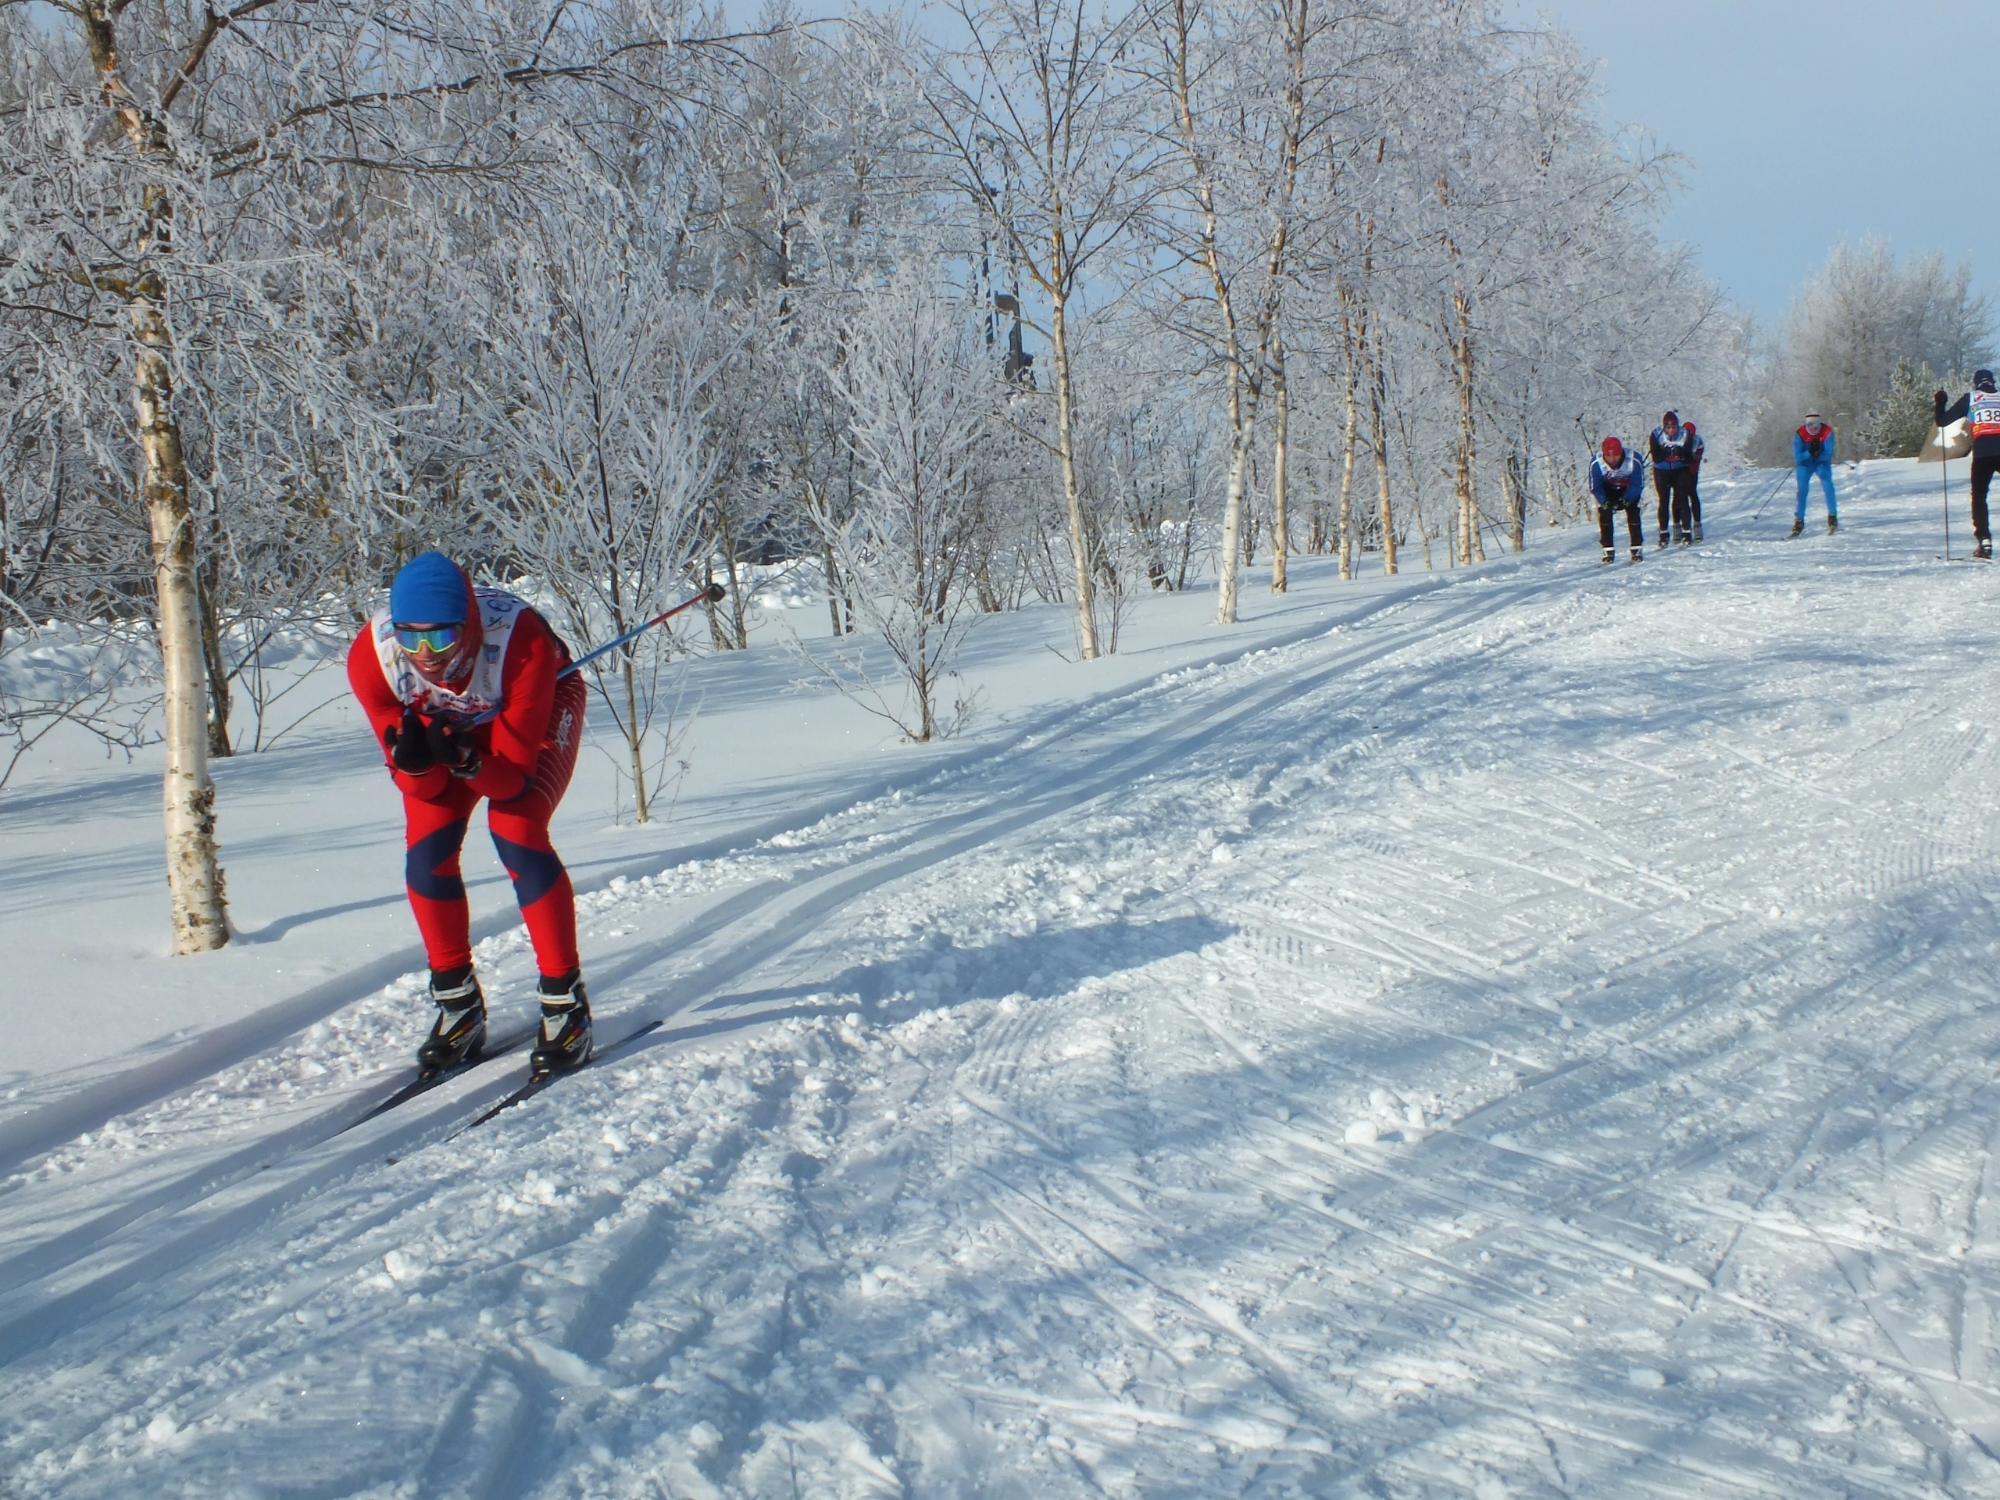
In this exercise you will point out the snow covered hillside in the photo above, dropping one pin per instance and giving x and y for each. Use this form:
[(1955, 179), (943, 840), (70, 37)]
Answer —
[(1525, 1031)]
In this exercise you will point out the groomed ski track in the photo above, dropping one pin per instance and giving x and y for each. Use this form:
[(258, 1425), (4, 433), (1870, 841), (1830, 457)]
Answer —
[(1537, 1037)]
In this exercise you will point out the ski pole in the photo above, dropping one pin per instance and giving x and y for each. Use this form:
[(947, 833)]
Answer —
[(1944, 484), (713, 594)]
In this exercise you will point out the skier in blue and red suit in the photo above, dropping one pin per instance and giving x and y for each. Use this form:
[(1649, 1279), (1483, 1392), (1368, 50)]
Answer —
[(1617, 482), (1812, 453), (1981, 408), (1671, 449), (461, 691)]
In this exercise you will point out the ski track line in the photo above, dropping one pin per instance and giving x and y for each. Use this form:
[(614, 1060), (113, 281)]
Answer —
[(1655, 1444), (1975, 1233), (1610, 1040), (1363, 1016), (585, 1330), (1503, 1221), (1083, 1287), (1273, 1365), (790, 909), (1541, 1227), (1539, 1224), (1744, 1055), (208, 1218), (1943, 1393), (1656, 1447), (1644, 1178)]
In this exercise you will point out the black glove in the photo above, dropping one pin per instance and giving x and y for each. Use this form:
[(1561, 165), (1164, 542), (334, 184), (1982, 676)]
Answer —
[(408, 745), (452, 750), (1937, 398), (1815, 447)]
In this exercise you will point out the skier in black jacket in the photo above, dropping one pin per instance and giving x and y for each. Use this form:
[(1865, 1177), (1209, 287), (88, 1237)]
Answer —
[(1981, 406), (1671, 449)]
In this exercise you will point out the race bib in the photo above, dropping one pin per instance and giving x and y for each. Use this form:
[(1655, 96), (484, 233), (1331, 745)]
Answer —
[(498, 611)]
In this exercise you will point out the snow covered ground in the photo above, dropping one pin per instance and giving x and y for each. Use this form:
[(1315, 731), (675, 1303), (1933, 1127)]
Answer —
[(1515, 1032)]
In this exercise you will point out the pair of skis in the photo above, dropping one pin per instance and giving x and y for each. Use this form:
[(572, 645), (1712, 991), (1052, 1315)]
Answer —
[(506, 1042)]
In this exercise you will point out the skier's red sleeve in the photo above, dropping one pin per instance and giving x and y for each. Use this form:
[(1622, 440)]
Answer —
[(527, 701), (371, 690)]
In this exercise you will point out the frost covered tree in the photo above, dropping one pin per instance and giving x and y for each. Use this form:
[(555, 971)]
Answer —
[(1849, 327), (1242, 92), (924, 398), (593, 465), (1038, 122), (168, 204), (1905, 418)]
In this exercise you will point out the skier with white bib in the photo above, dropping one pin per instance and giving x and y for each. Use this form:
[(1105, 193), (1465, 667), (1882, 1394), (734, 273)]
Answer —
[(1980, 406), (1617, 482), (1672, 449), (463, 693)]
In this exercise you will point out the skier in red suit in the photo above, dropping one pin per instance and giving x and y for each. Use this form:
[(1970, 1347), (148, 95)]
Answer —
[(461, 689)]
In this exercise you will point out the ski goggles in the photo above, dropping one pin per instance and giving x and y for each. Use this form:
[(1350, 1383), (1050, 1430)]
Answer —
[(433, 640)]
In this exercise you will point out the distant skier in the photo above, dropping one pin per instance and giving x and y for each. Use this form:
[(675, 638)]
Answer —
[(1981, 407), (1672, 451), (1617, 482), (1697, 449), (461, 691), (1812, 453)]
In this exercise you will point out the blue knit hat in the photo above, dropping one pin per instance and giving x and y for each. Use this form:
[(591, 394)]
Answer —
[(430, 589)]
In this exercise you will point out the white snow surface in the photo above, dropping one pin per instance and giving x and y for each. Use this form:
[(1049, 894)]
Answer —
[(1525, 1030)]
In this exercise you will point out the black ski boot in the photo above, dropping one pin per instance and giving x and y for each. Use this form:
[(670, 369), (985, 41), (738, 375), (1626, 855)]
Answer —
[(1983, 547), (563, 1043), (1798, 526), (1610, 554), (1637, 553), (1697, 531), (460, 1031), (1832, 525)]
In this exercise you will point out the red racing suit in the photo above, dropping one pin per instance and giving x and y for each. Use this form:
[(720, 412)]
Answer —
[(524, 726)]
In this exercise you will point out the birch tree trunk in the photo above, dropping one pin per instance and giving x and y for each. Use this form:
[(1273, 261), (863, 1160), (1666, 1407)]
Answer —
[(194, 875), (1351, 393), (1086, 603), (1281, 539), (1240, 424), (1468, 507), (1378, 439)]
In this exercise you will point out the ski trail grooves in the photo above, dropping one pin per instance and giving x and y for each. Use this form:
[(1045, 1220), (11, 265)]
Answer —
[(731, 938)]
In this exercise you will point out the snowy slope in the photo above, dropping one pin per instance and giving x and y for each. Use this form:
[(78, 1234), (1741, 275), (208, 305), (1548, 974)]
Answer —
[(1529, 1032)]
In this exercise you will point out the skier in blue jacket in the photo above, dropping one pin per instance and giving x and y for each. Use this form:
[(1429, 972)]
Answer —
[(1812, 453), (1617, 481)]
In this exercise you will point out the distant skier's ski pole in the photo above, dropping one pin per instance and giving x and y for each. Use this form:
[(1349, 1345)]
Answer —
[(1944, 482), (713, 594)]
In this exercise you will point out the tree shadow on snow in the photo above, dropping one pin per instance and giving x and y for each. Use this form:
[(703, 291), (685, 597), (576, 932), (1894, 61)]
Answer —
[(940, 974)]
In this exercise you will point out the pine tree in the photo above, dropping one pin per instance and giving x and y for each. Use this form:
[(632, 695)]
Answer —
[(1903, 419)]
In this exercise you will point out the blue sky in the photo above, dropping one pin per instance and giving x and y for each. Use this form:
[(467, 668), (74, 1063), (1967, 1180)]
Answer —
[(1806, 124)]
